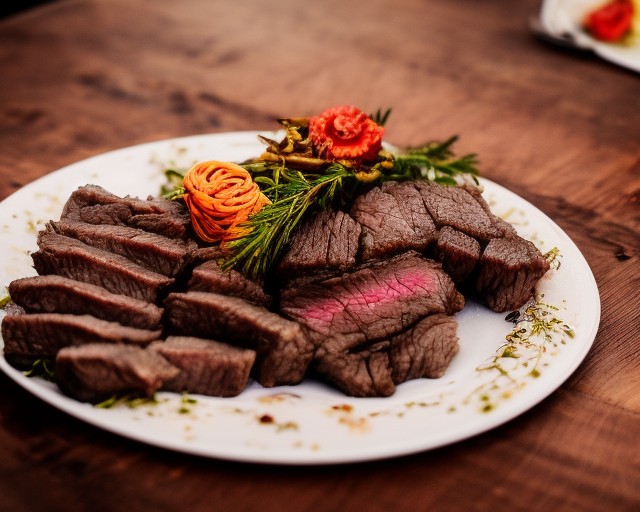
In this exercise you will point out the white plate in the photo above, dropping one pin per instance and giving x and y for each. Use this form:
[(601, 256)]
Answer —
[(313, 423), (562, 17)]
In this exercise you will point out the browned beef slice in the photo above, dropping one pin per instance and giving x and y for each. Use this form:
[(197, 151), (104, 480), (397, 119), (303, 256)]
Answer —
[(95, 205), (391, 223), (284, 352), (461, 209), (201, 254), (501, 225), (164, 255), (374, 302), (56, 294), (458, 253), (207, 367), (40, 335), (425, 350), (327, 241), (509, 270), (98, 371), (71, 258), (413, 208), (209, 277), (366, 373)]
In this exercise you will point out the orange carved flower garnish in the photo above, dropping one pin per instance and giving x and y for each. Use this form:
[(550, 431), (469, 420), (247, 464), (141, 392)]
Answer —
[(345, 133), (220, 196)]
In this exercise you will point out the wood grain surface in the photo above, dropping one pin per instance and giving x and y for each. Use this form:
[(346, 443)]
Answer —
[(559, 128)]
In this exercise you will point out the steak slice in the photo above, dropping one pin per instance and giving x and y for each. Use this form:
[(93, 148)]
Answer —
[(207, 367), (35, 336), (425, 350), (201, 254), (366, 373), (56, 294), (95, 205), (458, 253), (326, 242), (413, 208), (508, 272), (283, 350), (71, 258), (374, 302), (98, 371), (164, 255), (462, 209), (209, 277), (391, 222)]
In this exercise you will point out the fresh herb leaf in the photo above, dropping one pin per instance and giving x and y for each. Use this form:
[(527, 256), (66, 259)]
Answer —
[(41, 368), (173, 188), (4, 301), (381, 117), (131, 401)]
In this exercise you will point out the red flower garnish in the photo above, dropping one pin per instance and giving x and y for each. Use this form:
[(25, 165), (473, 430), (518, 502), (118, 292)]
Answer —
[(611, 21), (345, 133)]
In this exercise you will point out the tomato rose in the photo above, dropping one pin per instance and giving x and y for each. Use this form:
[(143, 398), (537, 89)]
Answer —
[(220, 196), (346, 133)]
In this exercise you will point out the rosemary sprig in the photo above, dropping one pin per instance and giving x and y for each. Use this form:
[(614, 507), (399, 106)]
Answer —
[(294, 195), (435, 161)]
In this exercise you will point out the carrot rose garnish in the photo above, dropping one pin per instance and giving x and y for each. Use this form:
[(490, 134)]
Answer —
[(345, 133), (220, 196)]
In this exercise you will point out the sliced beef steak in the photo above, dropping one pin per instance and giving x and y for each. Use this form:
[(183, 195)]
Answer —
[(454, 224), (98, 371), (458, 253), (374, 302), (201, 254), (413, 209), (207, 367), (40, 335), (462, 209), (284, 352), (392, 222), (509, 270), (71, 258), (209, 277), (95, 205), (164, 255), (425, 350), (56, 294), (366, 373), (326, 242)]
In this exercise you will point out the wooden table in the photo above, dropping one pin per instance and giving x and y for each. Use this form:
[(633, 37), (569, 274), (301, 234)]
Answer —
[(561, 129)]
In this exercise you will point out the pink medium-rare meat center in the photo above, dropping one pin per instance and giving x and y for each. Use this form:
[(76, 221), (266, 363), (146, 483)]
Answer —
[(371, 295)]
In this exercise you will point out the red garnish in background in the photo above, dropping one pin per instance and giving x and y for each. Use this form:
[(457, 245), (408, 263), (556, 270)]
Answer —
[(611, 22), (345, 133)]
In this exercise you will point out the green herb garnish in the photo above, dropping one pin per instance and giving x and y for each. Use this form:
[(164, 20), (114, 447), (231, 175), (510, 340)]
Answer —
[(4, 301), (299, 179), (41, 368), (131, 401)]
